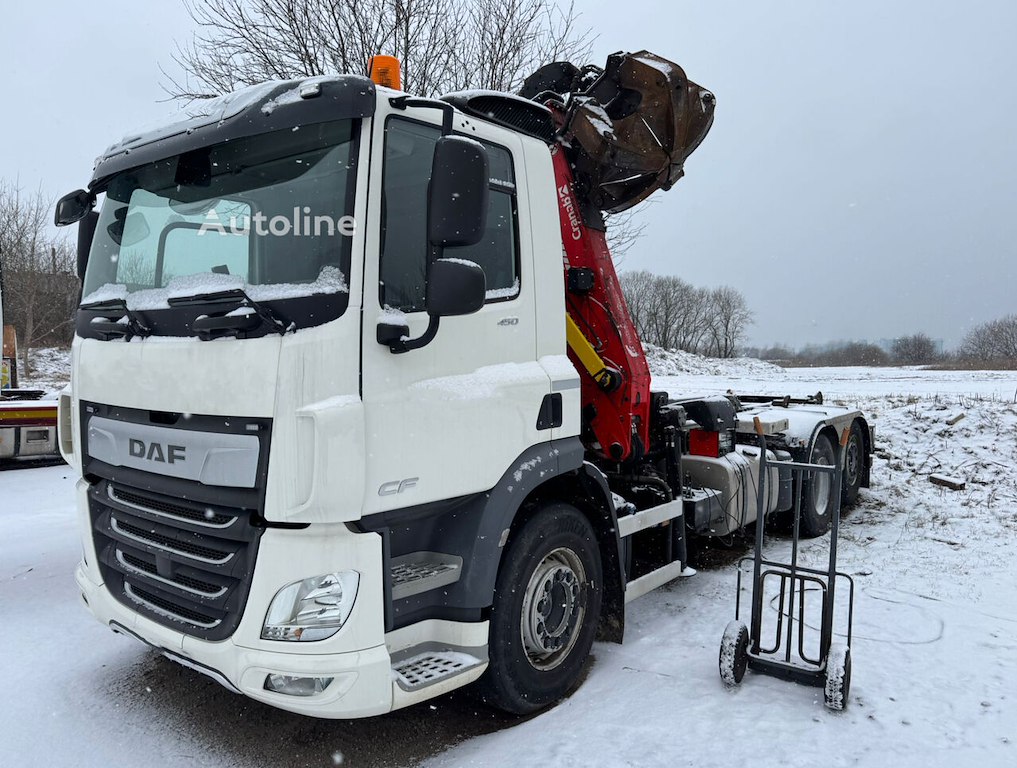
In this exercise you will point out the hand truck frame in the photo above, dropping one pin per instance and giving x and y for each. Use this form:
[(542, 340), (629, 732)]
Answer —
[(785, 656)]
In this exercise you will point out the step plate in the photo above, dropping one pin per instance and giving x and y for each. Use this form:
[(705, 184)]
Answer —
[(423, 571), (429, 668)]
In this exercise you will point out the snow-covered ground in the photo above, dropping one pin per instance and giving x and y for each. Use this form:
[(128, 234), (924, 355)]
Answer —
[(935, 632), (934, 648), (51, 369)]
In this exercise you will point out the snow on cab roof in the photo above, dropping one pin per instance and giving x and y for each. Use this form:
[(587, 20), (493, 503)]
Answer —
[(356, 91)]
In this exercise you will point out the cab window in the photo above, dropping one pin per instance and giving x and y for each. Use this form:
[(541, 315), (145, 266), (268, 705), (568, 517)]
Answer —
[(409, 148)]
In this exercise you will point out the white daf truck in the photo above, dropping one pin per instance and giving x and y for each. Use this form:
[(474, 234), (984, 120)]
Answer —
[(335, 403)]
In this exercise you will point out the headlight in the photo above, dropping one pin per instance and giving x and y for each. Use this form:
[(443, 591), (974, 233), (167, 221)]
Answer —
[(312, 609)]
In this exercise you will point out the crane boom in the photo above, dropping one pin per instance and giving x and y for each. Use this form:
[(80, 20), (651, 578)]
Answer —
[(623, 133)]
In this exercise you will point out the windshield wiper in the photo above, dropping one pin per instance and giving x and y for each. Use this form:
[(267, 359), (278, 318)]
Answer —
[(128, 325), (248, 316)]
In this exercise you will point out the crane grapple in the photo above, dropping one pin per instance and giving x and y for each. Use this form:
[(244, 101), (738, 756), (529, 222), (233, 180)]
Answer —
[(628, 127)]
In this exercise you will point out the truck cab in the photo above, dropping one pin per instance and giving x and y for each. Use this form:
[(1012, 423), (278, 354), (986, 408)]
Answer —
[(284, 445)]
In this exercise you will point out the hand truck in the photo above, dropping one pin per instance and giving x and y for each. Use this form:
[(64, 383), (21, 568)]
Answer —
[(784, 586)]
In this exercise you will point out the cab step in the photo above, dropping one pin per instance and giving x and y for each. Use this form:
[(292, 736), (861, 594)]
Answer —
[(429, 668), (423, 571)]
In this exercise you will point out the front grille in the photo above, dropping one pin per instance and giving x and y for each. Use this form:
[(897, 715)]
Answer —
[(197, 586), (208, 516), (169, 608), (154, 538), (171, 559)]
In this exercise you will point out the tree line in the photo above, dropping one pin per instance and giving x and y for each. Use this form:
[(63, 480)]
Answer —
[(990, 345), (40, 285), (674, 314)]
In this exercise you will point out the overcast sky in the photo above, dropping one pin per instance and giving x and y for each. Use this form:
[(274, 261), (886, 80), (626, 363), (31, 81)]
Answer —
[(860, 180)]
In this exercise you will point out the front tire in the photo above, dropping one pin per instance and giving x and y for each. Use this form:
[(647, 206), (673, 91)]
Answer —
[(546, 608)]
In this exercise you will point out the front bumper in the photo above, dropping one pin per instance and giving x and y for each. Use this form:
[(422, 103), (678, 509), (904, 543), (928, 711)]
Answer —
[(362, 684), (356, 656)]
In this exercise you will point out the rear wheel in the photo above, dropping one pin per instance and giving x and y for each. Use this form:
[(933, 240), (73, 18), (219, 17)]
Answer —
[(854, 458), (545, 612), (817, 492)]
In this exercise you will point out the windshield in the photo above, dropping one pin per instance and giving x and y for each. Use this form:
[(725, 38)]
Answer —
[(270, 215)]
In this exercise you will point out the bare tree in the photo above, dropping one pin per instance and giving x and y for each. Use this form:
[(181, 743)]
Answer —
[(730, 319), (917, 349), (992, 342), (443, 45), (671, 313), (40, 286), (695, 319), (637, 288)]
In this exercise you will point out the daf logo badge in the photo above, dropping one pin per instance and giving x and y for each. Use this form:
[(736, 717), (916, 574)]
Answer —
[(165, 454)]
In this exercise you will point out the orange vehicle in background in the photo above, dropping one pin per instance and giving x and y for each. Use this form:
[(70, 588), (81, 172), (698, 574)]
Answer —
[(28, 418)]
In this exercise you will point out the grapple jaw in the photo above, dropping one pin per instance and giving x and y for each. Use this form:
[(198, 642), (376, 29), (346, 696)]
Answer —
[(627, 128)]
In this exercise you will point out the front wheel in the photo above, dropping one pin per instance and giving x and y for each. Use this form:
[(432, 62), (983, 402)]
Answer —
[(546, 607)]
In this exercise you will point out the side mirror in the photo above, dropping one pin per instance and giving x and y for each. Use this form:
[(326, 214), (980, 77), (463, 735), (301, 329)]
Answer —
[(73, 207), (457, 195), (457, 199), (86, 233), (455, 287)]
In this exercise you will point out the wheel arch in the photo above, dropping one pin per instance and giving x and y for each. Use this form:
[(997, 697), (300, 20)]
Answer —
[(475, 528), (830, 430), (868, 441), (587, 490), (828, 427), (550, 472)]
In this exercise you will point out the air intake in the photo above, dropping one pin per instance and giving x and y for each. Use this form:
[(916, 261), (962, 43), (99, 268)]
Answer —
[(506, 110)]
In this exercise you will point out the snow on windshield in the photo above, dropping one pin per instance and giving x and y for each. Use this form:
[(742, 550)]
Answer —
[(330, 280)]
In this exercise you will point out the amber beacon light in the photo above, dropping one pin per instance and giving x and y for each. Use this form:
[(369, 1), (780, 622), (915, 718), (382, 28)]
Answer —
[(385, 71)]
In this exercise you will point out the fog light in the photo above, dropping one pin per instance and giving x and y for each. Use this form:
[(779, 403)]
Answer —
[(312, 609), (297, 686)]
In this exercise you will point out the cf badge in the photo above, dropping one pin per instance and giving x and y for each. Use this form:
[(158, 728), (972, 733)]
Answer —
[(397, 486)]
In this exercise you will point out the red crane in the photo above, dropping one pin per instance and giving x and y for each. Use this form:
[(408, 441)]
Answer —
[(624, 132)]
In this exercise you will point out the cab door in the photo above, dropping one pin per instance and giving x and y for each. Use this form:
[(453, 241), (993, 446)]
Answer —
[(451, 418)]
